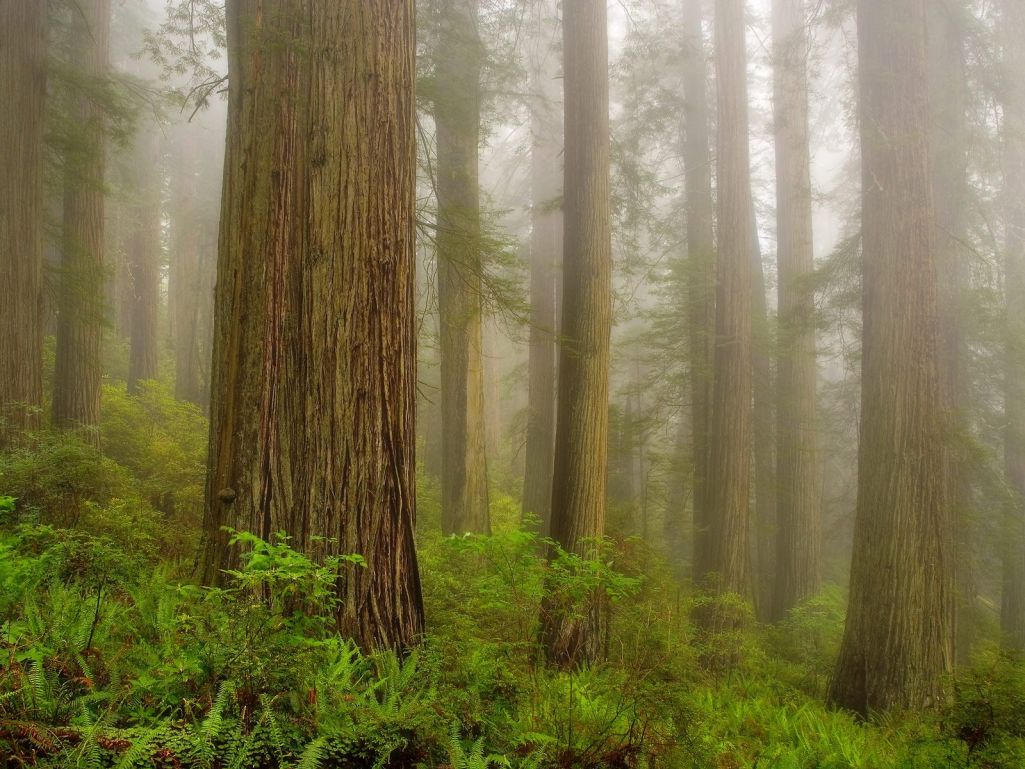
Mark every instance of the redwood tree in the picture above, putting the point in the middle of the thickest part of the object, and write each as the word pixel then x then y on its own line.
pixel 1012 606
pixel 701 272
pixel 731 424
pixel 22 90
pixel 80 303
pixel 545 256
pixel 144 254
pixel 898 640
pixel 312 413
pixel 581 436
pixel 464 481
pixel 798 528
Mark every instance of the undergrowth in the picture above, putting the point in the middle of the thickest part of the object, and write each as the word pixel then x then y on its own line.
pixel 110 655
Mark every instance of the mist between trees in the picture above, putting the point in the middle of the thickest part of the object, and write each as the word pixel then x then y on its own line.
pixel 534 383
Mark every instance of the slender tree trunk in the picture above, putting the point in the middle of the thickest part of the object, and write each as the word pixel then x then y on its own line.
pixel 185 292
pixel 949 150
pixel 22 92
pixel 581 436
pixel 1012 605
pixel 798 528
pixel 701 269
pixel 764 431
pixel 144 254
pixel 898 641
pixel 464 482
pixel 76 388
pixel 312 419
pixel 545 257
pixel 731 426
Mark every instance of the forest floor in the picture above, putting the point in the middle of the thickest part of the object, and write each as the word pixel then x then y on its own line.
pixel 110 655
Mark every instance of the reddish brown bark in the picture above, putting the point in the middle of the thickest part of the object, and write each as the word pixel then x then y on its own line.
pixel 898 640
pixel 22 92
pixel 312 414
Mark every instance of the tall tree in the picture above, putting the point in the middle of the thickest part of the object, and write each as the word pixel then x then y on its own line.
pixel 545 256
pixel 764 429
pixel 701 271
pixel 581 433
pixel 183 287
pixel 1012 606
pixel 192 250
pixel 22 91
pixel 80 304
pixel 898 639
pixel 144 256
pixel 464 481
pixel 731 424
pixel 798 528
pixel 314 377
pixel 949 149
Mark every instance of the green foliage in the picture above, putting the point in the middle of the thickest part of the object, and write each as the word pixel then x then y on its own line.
pixel 161 441
pixel 108 659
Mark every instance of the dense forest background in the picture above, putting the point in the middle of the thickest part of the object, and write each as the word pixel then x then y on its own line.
pixel 526 383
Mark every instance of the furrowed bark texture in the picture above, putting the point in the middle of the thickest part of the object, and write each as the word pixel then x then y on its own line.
pixel 898 640
pixel 312 413
pixel 1012 605
pixel 22 92
pixel 464 481
pixel 545 259
pixel 949 146
pixel 581 438
pixel 701 269
pixel 144 258
pixel 731 425
pixel 80 303
pixel 798 526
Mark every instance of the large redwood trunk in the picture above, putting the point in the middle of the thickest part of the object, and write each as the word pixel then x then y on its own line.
pixel 545 259
pixel 798 527
pixel 701 274
pixel 581 437
pixel 731 427
pixel 22 92
pixel 80 303
pixel 312 414
pixel 464 477
pixel 898 641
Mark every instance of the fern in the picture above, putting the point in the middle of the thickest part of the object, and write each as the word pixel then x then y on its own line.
pixel 139 748
pixel 212 725
pixel 313 754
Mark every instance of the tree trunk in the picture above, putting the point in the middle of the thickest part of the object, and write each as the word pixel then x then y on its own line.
pixel 764 431
pixel 898 641
pixel 22 92
pixel 144 254
pixel 731 425
pixel 701 275
pixel 464 482
pixel 185 289
pixel 581 436
pixel 798 527
pixel 78 369
pixel 192 262
pixel 312 417
pixel 545 257
pixel 1012 605
pixel 949 152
